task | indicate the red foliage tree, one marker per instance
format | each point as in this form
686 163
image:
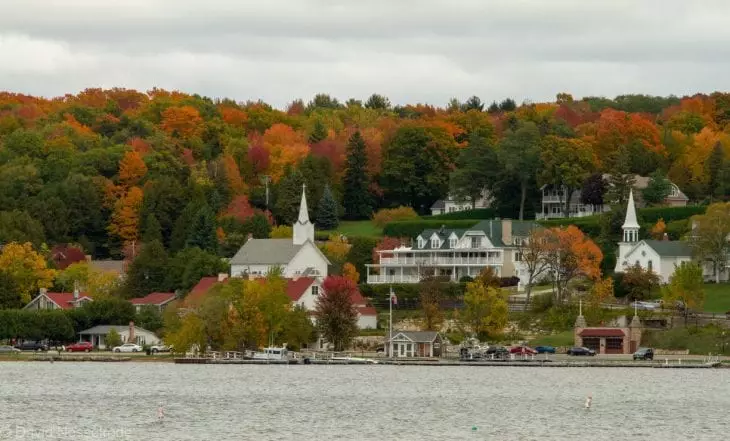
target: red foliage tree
386 243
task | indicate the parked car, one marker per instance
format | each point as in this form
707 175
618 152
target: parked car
581 351
522 350
644 354
497 351
645 306
545 349
160 348
82 346
128 347
32 346
6 349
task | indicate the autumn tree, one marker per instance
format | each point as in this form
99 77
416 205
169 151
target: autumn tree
27 268
686 286
93 282
356 198
533 253
709 238
131 169
336 314
430 297
601 293
637 283
285 149
125 219
327 211
182 122
349 271
485 309
571 254
658 230
281 232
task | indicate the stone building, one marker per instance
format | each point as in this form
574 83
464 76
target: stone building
618 339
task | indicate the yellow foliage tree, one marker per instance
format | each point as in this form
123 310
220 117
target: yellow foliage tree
658 230
95 283
336 248
125 219
27 267
349 271
131 169
281 232
602 292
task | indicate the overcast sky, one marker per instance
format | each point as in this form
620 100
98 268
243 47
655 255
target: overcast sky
409 50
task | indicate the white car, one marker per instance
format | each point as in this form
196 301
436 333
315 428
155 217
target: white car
160 348
128 347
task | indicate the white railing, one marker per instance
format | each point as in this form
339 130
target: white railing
395 278
546 199
441 261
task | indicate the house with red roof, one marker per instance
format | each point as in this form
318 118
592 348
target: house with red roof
158 300
58 300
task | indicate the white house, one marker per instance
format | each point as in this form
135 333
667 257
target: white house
298 256
128 334
415 344
660 256
58 300
451 204
456 253
553 200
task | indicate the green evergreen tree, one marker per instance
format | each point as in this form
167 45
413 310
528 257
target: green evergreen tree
152 230
319 132
9 292
258 225
715 170
327 211
202 231
148 271
288 196
356 198
657 189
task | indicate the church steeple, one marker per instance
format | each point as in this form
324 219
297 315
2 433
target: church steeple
303 228
631 225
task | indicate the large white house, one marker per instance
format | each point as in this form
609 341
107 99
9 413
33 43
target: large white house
298 256
553 200
659 256
456 253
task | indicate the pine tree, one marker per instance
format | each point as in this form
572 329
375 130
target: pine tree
319 132
148 272
327 211
202 231
288 196
356 198
715 166
152 230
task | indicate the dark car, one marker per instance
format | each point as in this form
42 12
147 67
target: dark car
545 349
644 354
581 351
31 346
497 352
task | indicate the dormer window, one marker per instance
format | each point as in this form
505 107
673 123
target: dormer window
435 243
674 191
452 243
475 242
421 243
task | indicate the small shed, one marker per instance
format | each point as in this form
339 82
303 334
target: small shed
415 344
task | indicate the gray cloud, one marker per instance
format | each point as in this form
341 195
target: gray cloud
412 51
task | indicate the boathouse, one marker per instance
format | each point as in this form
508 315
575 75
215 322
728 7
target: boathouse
415 344
618 339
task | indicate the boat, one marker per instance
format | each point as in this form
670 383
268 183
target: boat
272 353
354 360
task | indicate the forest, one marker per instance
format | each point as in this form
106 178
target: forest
110 170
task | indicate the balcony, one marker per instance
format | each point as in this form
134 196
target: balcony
435 261
394 278
553 199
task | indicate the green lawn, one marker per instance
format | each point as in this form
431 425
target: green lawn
717 297
562 339
357 228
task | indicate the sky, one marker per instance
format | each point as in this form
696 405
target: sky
412 51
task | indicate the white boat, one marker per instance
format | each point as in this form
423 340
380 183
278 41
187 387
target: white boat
355 360
272 354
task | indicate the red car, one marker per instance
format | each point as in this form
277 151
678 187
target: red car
82 346
522 350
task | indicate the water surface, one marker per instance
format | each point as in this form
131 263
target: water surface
93 401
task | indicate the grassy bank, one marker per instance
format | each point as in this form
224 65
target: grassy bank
565 338
717 298
357 228
698 340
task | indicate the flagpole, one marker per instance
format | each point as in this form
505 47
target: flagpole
390 324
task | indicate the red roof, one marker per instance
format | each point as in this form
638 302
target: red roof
195 296
155 298
602 332
295 288
367 310
65 300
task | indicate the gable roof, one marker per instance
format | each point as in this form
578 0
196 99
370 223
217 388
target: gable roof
197 293
104 329
266 252
64 300
418 336
155 298
670 248
492 228
367 310
438 205
295 288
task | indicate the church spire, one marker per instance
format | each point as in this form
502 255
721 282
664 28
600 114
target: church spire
303 228
631 225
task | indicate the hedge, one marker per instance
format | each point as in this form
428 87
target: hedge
54 325
590 225
414 228
669 214
477 214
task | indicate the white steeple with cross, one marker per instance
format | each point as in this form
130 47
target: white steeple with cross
630 234
303 228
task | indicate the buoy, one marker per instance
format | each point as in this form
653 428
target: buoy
160 413
589 399
473 428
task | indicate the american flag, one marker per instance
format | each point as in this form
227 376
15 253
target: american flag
393 298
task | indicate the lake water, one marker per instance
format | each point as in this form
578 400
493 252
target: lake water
94 401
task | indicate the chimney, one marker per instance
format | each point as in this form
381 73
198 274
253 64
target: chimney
76 293
88 258
666 237
222 276
130 338
507 231
43 291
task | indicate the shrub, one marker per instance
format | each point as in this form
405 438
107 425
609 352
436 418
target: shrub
414 228
387 215
678 228
505 282
477 214
669 214
590 225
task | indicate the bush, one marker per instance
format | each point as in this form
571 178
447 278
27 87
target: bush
505 282
678 228
387 215
590 225
477 214
414 228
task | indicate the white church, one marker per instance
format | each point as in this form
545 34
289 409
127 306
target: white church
659 256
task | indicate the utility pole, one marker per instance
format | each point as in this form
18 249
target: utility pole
390 324
266 179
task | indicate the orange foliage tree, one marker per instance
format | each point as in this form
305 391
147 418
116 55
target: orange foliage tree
131 169
125 218
285 147
615 130
233 175
658 230
182 122
571 254
350 272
